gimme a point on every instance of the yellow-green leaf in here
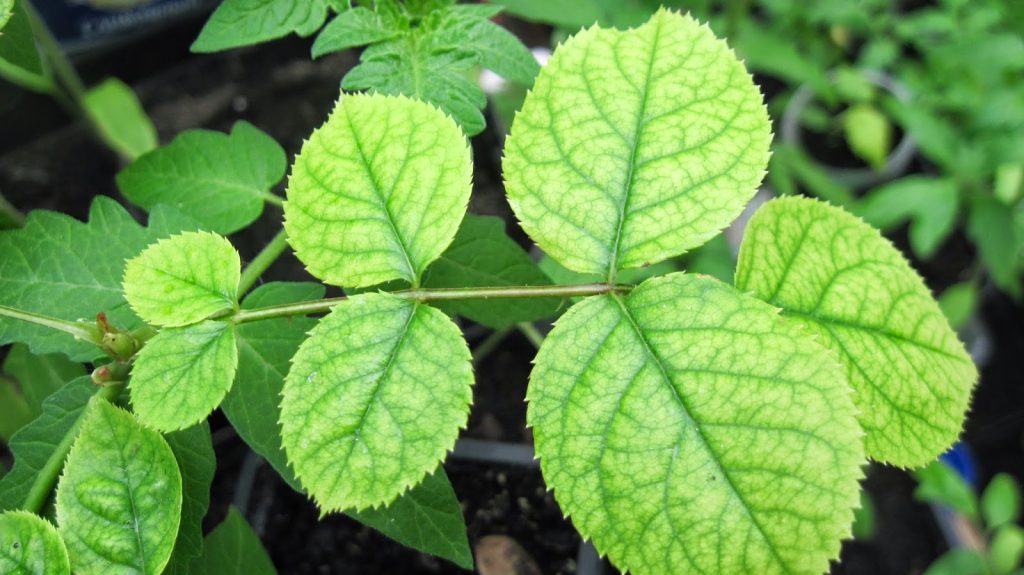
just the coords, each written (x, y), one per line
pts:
(838, 276)
(183, 374)
(119, 499)
(635, 146)
(377, 192)
(29, 545)
(686, 429)
(374, 399)
(183, 279)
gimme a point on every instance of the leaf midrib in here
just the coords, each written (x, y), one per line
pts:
(382, 201)
(631, 174)
(715, 458)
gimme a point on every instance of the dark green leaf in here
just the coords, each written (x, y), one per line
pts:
(19, 57)
(990, 224)
(356, 27)
(220, 180)
(264, 351)
(243, 22)
(35, 443)
(81, 264)
(39, 376)
(427, 518)
(233, 547)
(958, 562)
(193, 449)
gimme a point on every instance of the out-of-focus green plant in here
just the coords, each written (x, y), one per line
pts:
(995, 515)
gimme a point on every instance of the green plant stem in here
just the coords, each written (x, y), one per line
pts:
(489, 344)
(82, 331)
(532, 333)
(259, 264)
(45, 480)
(272, 198)
(437, 294)
(62, 67)
(11, 213)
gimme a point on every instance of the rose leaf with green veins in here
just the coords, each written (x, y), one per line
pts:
(119, 499)
(118, 115)
(183, 279)
(427, 518)
(183, 374)
(838, 277)
(265, 349)
(220, 180)
(355, 27)
(193, 450)
(378, 191)
(483, 255)
(82, 266)
(39, 376)
(30, 545)
(636, 146)
(34, 445)
(252, 406)
(233, 547)
(237, 23)
(683, 427)
(374, 399)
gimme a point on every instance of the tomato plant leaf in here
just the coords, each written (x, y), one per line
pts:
(182, 374)
(120, 119)
(238, 23)
(265, 349)
(364, 209)
(685, 427)
(119, 499)
(433, 59)
(613, 165)
(183, 279)
(868, 133)
(29, 544)
(220, 180)
(355, 27)
(233, 547)
(838, 276)
(376, 396)
(193, 450)
(35, 444)
(81, 264)
(483, 255)
(39, 376)
(427, 518)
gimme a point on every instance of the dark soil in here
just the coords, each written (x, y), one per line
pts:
(277, 88)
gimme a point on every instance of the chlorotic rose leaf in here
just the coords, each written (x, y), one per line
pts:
(635, 146)
(183, 279)
(374, 399)
(119, 499)
(183, 374)
(30, 544)
(686, 428)
(838, 277)
(377, 192)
